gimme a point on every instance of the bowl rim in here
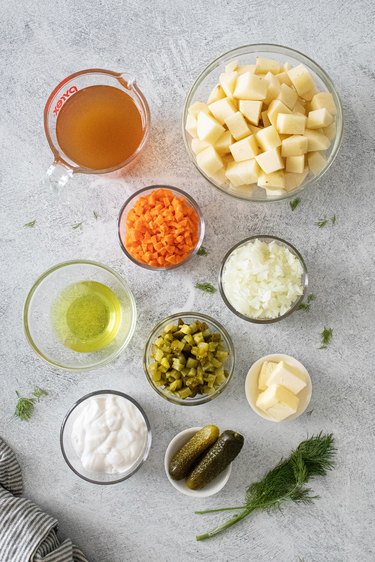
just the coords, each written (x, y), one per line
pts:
(225, 474)
(277, 357)
(192, 202)
(39, 281)
(270, 238)
(147, 447)
(268, 47)
(228, 341)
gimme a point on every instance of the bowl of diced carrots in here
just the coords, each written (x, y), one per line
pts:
(160, 227)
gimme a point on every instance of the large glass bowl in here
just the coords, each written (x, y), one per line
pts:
(128, 205)
(73, 460)
(208, 79)
(267, 239)
(214, 326)
(38, 316)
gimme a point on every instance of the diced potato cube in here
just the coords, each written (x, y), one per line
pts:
(273, 88)
(308, 96)
(268, 138)
(209, 161)
(250, 87)
(316, 162)
(198, 145)
(197, 107)
(266, 122)
(219, 176)
(216, 94)
(330, 131)
(270, 161)
(319, 118)
(294, 145)
(287, 66)
(324, 99)
(242, 173)
(264, 65)
(299, 108)
(254, 129)
(246, 68)
(316, 140)
(237, 125)
(293, 180)
(288, 96)
(244, 149)
(283, 78)
(276, 107)
(191, 125)
(291, 124)
(295, 164)
(231, 66)
(208, 129)
(228, 82)
(274, 192)
(223, 143)
(221, 109)
(301, 79)
(275, 180)
(251, 110)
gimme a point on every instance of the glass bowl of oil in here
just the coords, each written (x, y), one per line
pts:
(79, 315)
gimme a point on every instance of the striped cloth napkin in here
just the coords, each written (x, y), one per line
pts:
(27, 534)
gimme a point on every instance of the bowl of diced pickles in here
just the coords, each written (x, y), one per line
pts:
(189, 358)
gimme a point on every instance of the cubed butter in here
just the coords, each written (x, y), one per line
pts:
(198, 145)
(265, 373)
(301, 79)
(316, 140)
(270, 161)
(249, 86)
(294, 145)
(278, 402)
(209, 161)
(273, 181)
(223, 143)
(295, 164)
(244, 149)
(288, 376)
(238, 126)
(319, 118)
(268, 138)
(242, 173)
(264, 65)
(228, 82)
(292, 180)
(276, 107)
(292, 124)
(251, 109)
(288, 96)
(221, 109)
(324, 99)
(273, 88)
(191, 125)
(316, 162)
(217, 93)
(208, 129)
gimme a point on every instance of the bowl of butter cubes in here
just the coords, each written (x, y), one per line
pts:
(262, 122)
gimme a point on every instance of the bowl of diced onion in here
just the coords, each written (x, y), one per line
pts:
(263, 279)
(227, 118)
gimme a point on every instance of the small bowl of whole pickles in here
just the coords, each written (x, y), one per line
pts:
(198, 460)
(189, 358)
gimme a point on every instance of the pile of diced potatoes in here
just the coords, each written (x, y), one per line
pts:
(264, 124)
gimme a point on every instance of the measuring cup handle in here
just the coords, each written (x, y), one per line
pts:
(59, 174)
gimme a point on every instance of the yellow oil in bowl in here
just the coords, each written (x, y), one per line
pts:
(87, 316)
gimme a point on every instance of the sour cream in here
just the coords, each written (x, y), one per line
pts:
(109, 434)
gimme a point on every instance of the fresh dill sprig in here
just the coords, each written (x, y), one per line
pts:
(30, 224)
(202, 251)
(321, 223)
(25, 406)
(207, 287)
(326, 337)
(78, 225)
(285, 483)
(309, 412)
(294, 204)
(333, 220)
(306, 305)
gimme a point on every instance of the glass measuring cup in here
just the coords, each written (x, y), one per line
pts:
(62, 168)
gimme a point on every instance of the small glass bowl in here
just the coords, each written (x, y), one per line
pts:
(246, 54)
(129, 203)
(37, 315)
(266, 239)
(213, 325)
(73, 461)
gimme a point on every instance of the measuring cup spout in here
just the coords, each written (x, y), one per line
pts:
(59, 174)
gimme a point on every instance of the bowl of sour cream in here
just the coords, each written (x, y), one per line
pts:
(105, 437)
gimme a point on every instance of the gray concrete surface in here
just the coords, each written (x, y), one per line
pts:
(165, 45)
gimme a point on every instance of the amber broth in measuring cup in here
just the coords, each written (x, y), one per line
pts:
(99, 127)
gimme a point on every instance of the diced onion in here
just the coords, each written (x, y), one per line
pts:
(262, 280)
